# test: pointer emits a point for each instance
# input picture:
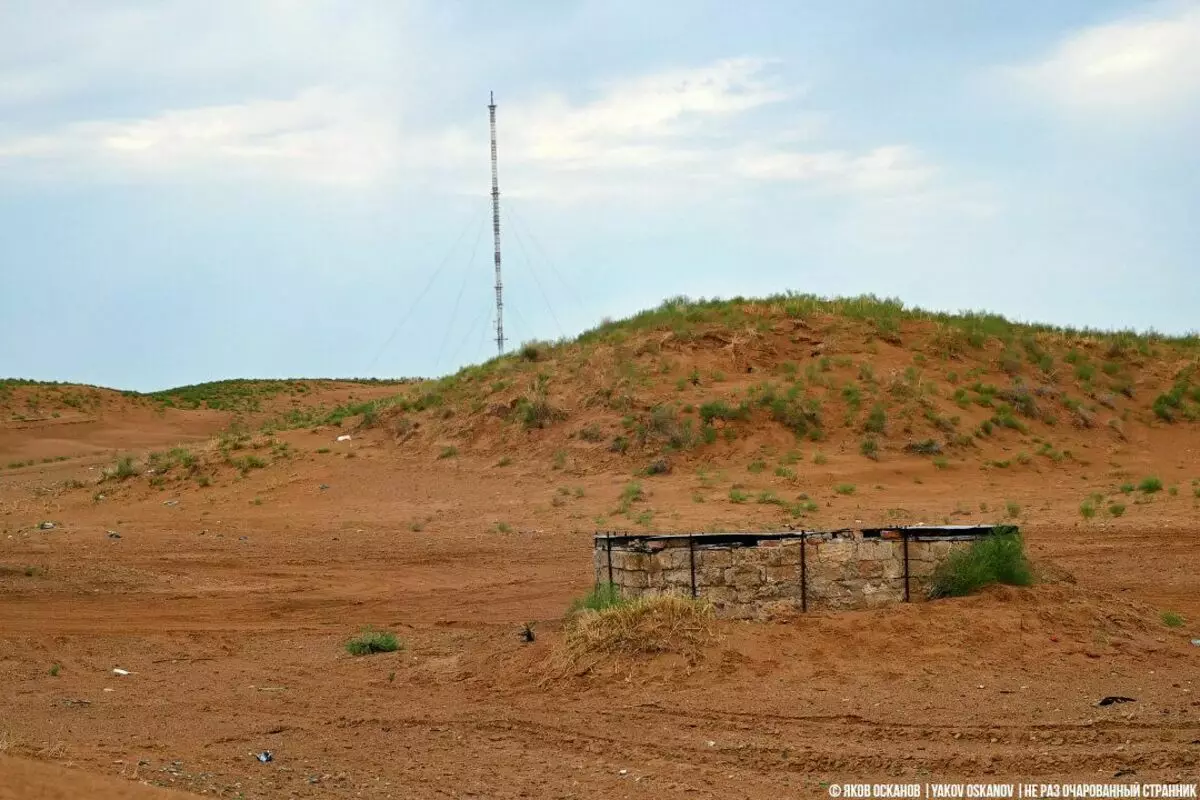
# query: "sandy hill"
(220, 543)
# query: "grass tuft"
(371, 641)
(1173, 619)
(602, 596)
(1000, 558)
(1150, 485)
(665, 623)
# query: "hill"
(220, 545)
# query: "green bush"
(1172, 619)
(999, 558)
(1150, 485)
(372, 641)
(869, 448)
(719, 409)
(604, 595)
(876, 420)
(124, 468)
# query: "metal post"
(692, 559)
(904, 538)
(804, 571)
(608, 546)
(496, 230)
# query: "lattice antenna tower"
(496, 229)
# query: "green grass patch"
(1173, 619)
(999, 558)
(1150, 485)
(602, 596)
(370, 641)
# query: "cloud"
(1138, 67)
(882, 170)
(713, 129)
(319, 135)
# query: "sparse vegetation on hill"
(736, 382)
(689, 376)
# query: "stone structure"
(746, 575)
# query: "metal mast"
(496, 230)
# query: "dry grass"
(665, 623)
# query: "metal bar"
(904, 538)
(608, 543)
(496, 229)
(692, 559)
(804, 572)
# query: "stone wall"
(748, 575)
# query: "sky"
(193, 190)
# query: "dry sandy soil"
(229, 606)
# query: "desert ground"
(243, 544)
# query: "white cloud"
(339, 115)
(319, 135)
(882, 170)
(1145, 66)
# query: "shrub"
(719, 409)
(659, 466)
(1150, 485)
(844, 488)
(876, 420)
(632, 493)
(1087, 509)
(869, 448)
(534, 351)
(124, 468)
(999, 558)
(591, 433)
(767, 497)
(448, 452)
(1012, 509)
(665, 623)
(926, 447)
(1127, 488)
(1010, 362)
(736, 495)
(371, 641)
(1172, 619)
(941, 463)
(602, 596)
(1116, 509)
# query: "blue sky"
(199, 189)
